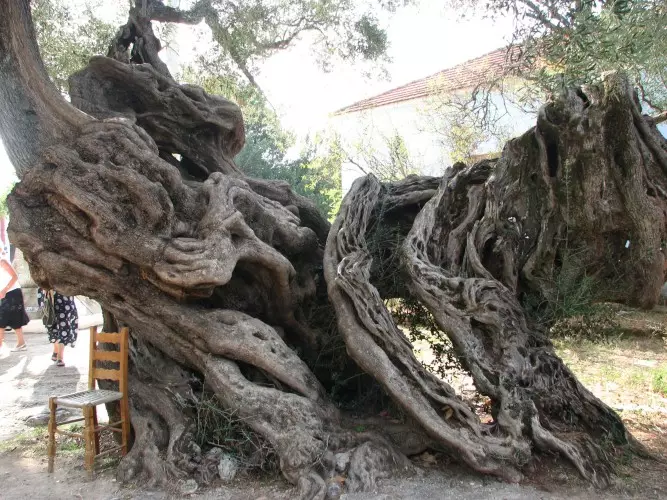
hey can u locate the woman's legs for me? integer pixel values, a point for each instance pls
(19, 337)
(60, 351)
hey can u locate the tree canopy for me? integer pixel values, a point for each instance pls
(559, 44)
(69, 38)
(4, 210)
(247, 31)
(313, 168)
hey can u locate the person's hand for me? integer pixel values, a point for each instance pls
(2, 294)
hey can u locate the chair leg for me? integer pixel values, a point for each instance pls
(51, 448)
(96, 433)
(89, 440)
(125, 424)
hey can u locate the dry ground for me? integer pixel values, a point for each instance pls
(628, 370)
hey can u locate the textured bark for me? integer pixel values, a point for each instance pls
(221, 277)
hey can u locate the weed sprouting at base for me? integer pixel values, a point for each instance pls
(217, 427)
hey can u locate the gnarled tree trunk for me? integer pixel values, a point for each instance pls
(240, 284)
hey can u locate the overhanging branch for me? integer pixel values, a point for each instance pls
(157, 11)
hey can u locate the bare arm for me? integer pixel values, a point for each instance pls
(13, 277)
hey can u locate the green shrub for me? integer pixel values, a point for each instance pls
(660, 381)
(570, 310)
(419, 325)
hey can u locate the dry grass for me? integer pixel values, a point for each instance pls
(626, 367)
(33, 444)
(628, 371)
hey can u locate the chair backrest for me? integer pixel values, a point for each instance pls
(119, 356)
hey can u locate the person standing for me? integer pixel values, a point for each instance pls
(12, 309)
(63, 332)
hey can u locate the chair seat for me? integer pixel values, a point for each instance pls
(88, 398)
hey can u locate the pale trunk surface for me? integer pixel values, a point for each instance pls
(238, 284)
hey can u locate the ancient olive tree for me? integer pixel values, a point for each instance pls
(240, 287)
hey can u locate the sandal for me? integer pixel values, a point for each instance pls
(60, 362)
(54, 357)
(19, 348)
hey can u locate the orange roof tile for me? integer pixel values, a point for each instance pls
(465, 75)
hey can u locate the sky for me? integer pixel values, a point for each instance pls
(424, 40)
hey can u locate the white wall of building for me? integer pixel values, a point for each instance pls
(370, 128)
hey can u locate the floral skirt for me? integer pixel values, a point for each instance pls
(64, 330)
(12, 311)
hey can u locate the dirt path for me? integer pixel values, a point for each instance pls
(27, 379)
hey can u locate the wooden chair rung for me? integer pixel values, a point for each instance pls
(105, 374)
(107, 356)
(74, 420)
(107, 428)
(70, 434)
(87, 400)
(108, 338)
(110, 450)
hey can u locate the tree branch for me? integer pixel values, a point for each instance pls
(645, 98)
(157, 11)
(662, 117)
(356, 164)
(537, 14)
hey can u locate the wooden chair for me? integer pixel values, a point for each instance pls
(88, 400)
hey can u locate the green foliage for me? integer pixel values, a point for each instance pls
(460, 134)
(4, 209)
(660, 381)
(400, 164)
(371, 41)
(250, 30)
(464, 120)
(627, 35)
(315, 172)
(573, 42)
(245, 32)
(463, 140)
(571, 310)
(389, 161)
(574, 289)
(67, 38)
(419, 325)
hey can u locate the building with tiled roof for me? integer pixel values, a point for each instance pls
(467, 75)
(371, 122)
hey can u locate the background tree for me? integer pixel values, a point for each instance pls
(558, 44)
(270, 151)
(388, 159)
(68, 38)
(233, 285)
(459, 130)
(4, 212)
(246, 32)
